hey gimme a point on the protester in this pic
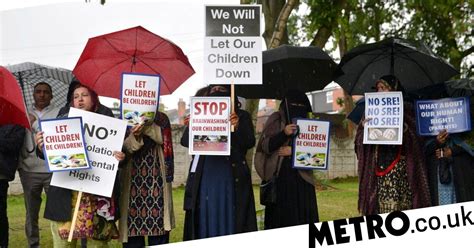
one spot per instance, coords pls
(189, 197)
(146, 195)
(11, 140)
(392, 177)
(222, 197)
(295, 202)
(91, 223)
(34, 175)
(450, 159)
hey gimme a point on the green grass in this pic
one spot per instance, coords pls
(338, 200)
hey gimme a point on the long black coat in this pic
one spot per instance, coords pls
(245, 218)
(11, 140)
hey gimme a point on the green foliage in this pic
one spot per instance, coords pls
(444, 26)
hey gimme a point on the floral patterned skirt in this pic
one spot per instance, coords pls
(393, 190)
(91, 220)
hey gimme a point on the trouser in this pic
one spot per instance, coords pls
(139, 241)
(33, 184)
(3, 213)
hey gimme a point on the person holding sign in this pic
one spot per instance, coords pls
(222, 187)
(96, 215)
(146, 184)
(392, 177)
(295, 199)
(450, 159)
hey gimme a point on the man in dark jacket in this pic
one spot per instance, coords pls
(11, 140)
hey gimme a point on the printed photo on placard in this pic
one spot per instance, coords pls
(311, 145)
(64, 146)
(451, 114)
(140, 98)
(209, 126)
(383, 122)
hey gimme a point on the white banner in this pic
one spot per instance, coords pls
(103, 136)
(140, 97)
(64, 147)
(233, 45)
(311, 146)
(209, 126)
(384, 118)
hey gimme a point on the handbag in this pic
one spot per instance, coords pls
(268, 189)
(268, 193)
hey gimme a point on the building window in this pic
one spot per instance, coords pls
(329, 97)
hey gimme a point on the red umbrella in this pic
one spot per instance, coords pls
(137, 50)
(12, 106)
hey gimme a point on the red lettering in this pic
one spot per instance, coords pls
(198, 109)
(222, 107)
(61, 129)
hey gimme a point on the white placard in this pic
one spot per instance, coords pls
(311, 146)
(140, 96)
(233, 45)
(103, 136)
(209, 126)
(384, 118)
(64, 147)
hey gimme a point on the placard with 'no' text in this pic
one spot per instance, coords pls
(103, 136)
(383, 118)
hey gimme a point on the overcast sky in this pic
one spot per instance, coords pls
(54, 32)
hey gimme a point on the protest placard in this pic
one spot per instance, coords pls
(311, 145)
(103, 136)
(209, 126)
(64, 147)
(140, 97)
(383, 118)
(233, 45)
(452, 114)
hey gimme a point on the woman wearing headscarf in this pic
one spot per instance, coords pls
(295, 189)
(392, 177)
(146, 199)
(96, 214)
(222, 197)
(450, 159)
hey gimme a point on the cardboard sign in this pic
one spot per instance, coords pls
(64, 147)
(311, 146)
(103, 136)
(209, 126)
(384, 118)
(233, 45)
(452, 114)
(140, 98)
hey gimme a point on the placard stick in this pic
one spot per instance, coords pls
(74, 216)
(232, 96)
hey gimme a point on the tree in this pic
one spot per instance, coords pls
(445, 26)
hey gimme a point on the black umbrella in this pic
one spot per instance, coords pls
(452, 88)
(29, 74)
(412, 62)
(290, 67)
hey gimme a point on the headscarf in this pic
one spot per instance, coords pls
(392, 82)
(295, 97)
(237, 103)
